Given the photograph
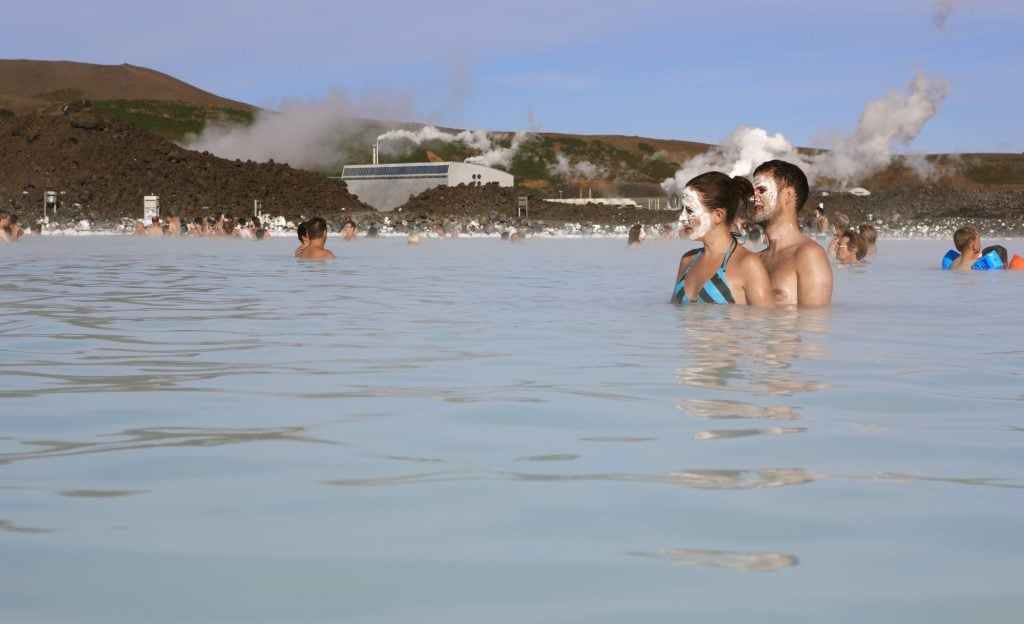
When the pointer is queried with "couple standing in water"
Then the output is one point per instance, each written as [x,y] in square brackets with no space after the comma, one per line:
[793,270]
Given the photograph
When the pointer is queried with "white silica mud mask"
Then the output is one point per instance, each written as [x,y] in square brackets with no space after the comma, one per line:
[768,190]
[695,215]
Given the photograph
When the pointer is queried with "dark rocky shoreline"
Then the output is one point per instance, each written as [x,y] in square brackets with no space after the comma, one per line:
[102,168]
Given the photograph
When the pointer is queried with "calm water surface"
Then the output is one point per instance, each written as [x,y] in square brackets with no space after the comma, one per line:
[470,430]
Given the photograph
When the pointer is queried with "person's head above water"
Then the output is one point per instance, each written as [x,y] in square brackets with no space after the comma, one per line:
[1000,251]
[852,246]
[869,232]
[778,185]
[711,199]
[966,240]
[303,231]
[636,234]
[316,228]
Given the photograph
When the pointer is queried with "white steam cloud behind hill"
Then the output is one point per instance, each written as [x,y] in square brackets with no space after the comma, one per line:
[894,119]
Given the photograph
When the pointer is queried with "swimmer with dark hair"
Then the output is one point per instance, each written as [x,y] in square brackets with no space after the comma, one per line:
[636,237]
[348,231]
[316,230]
[722,271]
[303,234]
[798,267]
[820,220]
[1000,251]
[9,230]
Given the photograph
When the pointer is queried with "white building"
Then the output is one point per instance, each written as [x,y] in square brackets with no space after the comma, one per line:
[386,187]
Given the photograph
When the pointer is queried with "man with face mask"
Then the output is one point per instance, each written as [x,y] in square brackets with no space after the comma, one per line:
[798,267]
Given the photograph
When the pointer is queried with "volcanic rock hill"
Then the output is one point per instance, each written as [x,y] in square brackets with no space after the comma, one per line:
[103,167]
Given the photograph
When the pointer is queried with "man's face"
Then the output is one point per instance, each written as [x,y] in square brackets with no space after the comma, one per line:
[766,198]
[846,251]
[695,217]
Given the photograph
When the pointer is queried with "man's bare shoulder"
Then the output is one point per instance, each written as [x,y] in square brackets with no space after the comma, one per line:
[808,250]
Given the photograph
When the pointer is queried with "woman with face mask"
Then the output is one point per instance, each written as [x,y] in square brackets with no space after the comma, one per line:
[722,271]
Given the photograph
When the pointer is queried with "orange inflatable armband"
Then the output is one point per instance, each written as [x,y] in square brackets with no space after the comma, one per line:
[1017,263]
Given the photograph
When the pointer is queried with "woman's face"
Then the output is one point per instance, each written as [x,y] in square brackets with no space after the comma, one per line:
[695,217]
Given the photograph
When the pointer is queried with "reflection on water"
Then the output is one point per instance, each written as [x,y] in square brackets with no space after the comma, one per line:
[718,434]
[743,479]
[717,409]
[751,561]
[738,349]
[698,479]
[100,493]
[895,477]
[6,525]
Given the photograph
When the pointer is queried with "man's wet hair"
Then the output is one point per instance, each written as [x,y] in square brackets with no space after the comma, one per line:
[787,174]
[316,228]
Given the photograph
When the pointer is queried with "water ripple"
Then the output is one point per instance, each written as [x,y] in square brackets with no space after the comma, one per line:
[750,561]
[697,479]
[162,437]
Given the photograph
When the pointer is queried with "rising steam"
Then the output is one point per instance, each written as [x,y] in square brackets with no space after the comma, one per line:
[491,155]
[895,118]
[307,134]
[942,9]
[579,169]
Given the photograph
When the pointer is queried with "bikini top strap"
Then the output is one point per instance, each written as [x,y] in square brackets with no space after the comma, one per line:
[690,266]
[728,254]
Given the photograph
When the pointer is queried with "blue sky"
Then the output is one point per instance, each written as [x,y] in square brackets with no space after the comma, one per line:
[673,70]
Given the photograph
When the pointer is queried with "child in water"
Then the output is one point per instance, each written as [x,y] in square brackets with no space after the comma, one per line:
[968,243]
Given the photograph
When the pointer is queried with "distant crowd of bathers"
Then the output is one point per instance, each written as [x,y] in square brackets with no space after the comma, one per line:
[223,226]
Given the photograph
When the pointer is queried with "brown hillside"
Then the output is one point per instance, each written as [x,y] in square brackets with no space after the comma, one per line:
[27,85]
[104,166]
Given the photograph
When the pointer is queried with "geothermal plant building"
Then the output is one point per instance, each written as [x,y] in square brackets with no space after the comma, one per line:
[386,187]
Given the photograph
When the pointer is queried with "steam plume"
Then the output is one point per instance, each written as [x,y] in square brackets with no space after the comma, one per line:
[941,12]
[580,169]
[492,155]
[895,118]
[307,134]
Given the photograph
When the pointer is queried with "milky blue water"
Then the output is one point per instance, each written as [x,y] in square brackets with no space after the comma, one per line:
[476,431]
